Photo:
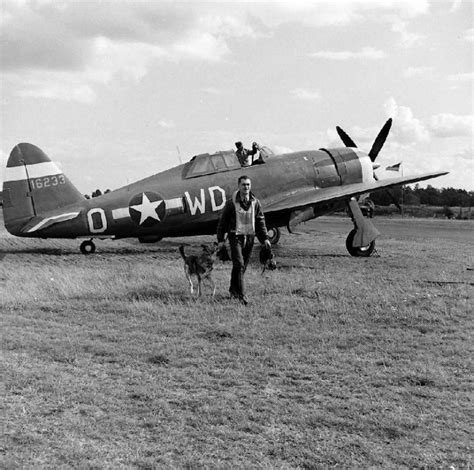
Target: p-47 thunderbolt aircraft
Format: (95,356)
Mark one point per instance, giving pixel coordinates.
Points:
(40,201)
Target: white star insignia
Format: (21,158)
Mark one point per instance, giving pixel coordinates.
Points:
(147,209)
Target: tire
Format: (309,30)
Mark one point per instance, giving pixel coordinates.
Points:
(362,251)
(87,247)
(274,235)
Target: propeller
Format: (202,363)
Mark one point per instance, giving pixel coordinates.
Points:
(374,151)
(348,142)
(378,142)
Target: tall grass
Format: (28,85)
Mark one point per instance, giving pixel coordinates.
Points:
(110,362)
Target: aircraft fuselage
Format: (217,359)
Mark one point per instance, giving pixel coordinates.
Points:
(175,203)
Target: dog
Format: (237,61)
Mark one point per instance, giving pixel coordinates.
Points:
(200,266)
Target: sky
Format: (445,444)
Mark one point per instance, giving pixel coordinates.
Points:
(117,90)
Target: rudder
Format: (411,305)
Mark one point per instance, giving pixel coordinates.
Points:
(33,185)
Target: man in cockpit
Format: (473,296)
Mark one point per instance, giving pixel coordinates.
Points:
(246,156)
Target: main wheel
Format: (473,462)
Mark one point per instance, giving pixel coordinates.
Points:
(364,251)
(274,235)
(87,247)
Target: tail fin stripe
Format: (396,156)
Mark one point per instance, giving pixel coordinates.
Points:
(37,170)
(50,221)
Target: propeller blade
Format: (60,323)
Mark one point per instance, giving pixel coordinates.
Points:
(348,142)
(380,140)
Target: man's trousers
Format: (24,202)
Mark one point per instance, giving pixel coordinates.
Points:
(240,250)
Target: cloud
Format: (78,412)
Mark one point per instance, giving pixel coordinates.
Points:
(407,39)
(127,61)
(336,13)
(166,124)
(466,154)
(417,71)
(406,128)
(461,77)
(59,91)
(64,50)
(450,125)
(212,91)
(455,5)
(108,61)
(306,94)
(88,44)
(201,45)
(469,35)
(365,53)
(57,85)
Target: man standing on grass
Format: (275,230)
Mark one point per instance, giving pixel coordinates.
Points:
(242,219)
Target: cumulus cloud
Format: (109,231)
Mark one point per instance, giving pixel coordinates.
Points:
(166,124)
(469,35)
(450,125)
(466,154)
(417,71)
(455,5)
(306,94)
(407,128)
(461,77)
(92,43)
(336,13)
(212,91)
(200,45)
(58,85)
(365,53)
(407,39)
(84,45)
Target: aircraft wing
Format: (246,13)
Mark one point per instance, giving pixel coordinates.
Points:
(305,197)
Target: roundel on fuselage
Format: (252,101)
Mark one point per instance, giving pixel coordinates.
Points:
(147,209)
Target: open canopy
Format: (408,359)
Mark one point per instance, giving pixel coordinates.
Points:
(225,160)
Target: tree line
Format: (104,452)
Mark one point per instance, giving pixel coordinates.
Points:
(429,196)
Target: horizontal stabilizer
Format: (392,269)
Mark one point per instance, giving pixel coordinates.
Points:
(40,223)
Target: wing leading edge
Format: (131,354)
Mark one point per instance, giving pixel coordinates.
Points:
(309,196)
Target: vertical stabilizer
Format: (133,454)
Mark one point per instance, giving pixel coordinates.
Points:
(33,185)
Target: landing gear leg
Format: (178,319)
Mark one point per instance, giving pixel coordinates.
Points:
(361,240)
(87,247)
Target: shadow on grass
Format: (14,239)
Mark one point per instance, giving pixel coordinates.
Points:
(150,294)
(158,359)
(218,334)
(38,251)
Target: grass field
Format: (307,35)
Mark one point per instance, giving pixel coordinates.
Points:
(338,362)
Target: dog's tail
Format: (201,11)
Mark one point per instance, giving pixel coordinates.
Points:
(181,250)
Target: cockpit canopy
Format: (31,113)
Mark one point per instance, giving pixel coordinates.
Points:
(225,160)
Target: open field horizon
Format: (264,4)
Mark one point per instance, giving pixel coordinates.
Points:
(338,361)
